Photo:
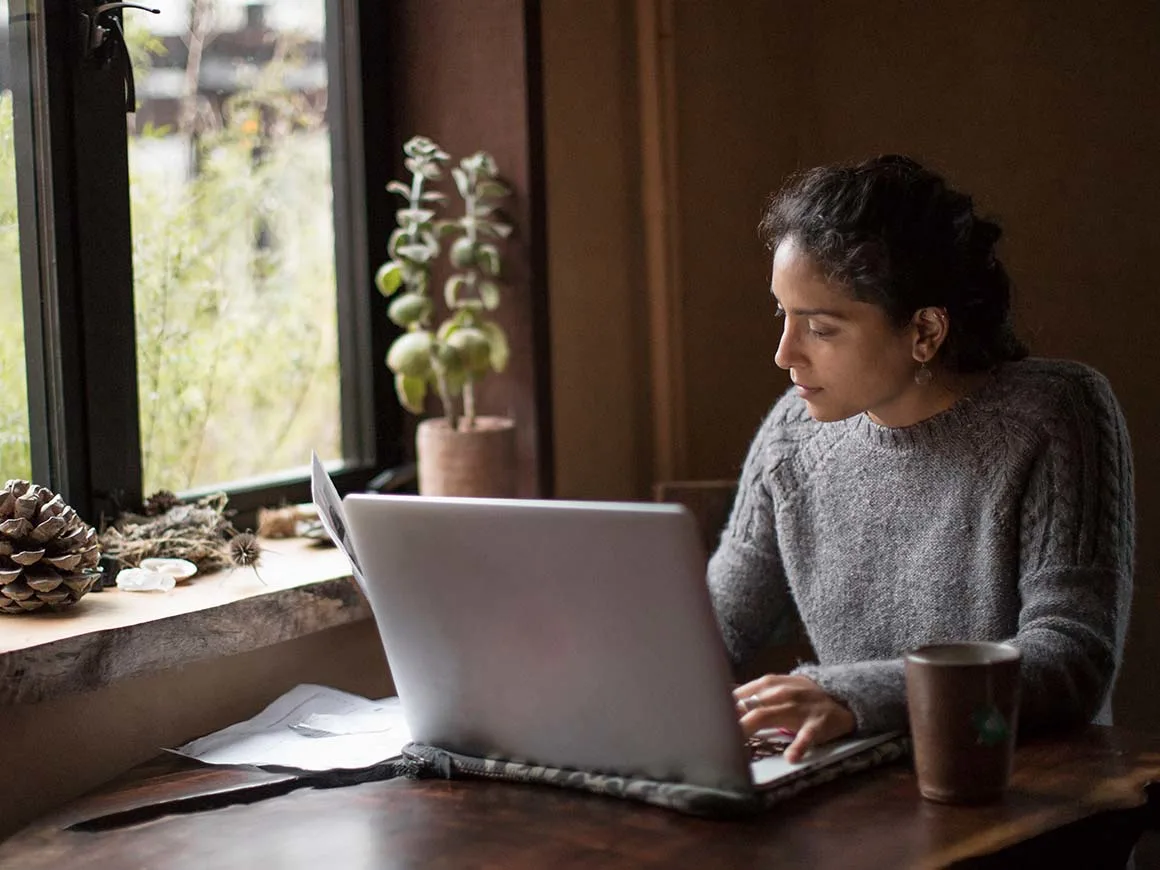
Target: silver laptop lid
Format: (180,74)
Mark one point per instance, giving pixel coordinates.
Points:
(572,634)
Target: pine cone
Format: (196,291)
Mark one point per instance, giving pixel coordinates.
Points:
(48,554)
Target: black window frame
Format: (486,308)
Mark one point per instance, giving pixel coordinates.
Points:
(76,261)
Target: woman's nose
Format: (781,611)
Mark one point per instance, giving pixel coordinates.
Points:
(786,348)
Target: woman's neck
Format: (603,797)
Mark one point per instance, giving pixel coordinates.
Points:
(924,401)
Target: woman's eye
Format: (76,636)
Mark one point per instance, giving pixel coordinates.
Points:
(820,331)
(779,312)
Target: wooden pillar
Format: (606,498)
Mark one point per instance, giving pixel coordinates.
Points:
(658,110)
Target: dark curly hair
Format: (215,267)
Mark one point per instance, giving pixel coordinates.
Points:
(898,236)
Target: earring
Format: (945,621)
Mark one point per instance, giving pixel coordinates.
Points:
(923,376)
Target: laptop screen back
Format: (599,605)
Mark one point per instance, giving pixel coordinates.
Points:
(572,634)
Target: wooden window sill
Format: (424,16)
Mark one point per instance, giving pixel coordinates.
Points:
(111,635)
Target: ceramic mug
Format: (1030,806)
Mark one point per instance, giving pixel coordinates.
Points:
(963,702)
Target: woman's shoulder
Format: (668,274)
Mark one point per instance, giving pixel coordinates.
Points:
(1062,401)
(789,410)
(1039,386)
(789,419)
(787,427)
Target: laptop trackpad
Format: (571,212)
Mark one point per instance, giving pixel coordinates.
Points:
(769,767)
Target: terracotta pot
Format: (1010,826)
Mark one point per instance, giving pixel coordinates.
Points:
(479,462)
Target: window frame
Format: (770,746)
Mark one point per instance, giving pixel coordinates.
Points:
(76,261)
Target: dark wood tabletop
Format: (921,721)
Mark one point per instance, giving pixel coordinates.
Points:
(1082,800)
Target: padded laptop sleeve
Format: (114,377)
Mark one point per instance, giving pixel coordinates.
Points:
(431,761)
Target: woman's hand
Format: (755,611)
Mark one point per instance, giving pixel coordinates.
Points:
(796,704)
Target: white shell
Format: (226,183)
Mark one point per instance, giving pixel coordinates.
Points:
(140,580)
(178,569)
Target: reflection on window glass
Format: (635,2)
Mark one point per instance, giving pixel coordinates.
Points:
(233,241)
(14,457)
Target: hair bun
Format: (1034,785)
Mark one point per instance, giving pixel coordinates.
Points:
(984,236)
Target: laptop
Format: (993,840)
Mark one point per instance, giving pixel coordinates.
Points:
(570,634)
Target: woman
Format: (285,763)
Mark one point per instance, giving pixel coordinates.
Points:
(922,481)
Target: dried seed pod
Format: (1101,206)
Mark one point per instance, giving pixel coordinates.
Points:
(244,550)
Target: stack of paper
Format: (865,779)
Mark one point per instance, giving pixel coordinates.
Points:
(309,728)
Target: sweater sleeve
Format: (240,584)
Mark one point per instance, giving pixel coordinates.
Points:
(1076,546)
(746,579)
(874,691)
(1075,541)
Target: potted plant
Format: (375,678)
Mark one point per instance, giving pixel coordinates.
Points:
(461,452)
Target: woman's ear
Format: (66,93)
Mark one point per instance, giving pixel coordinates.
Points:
(930,326)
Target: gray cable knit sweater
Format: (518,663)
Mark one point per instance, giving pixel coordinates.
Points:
(1007,517)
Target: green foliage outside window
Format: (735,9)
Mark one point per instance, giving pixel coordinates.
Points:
(233,270)
(14,456)
(234,284)
(236,318)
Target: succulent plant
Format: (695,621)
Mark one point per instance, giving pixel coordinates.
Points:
(466,345)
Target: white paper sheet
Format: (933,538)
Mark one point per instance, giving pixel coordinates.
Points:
(309,728)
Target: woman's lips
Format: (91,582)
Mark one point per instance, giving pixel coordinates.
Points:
(805,392)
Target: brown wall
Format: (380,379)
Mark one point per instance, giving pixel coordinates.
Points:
(599,336)
(1045,111)
(460,77)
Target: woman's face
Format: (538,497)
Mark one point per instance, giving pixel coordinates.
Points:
(845,356)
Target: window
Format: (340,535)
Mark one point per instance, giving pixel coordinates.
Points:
(233,242)
(15,460)
(198,270)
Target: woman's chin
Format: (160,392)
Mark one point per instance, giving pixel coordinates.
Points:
(825,413)
(820,414)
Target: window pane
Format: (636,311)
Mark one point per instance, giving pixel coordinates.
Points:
(233,241)
(14,455)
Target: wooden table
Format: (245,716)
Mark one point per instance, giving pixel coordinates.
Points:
(1079,801)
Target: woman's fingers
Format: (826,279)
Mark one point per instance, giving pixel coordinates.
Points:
(796,704)
(784,715)
(745,703)
(763,692)
(803,740)
(756,687)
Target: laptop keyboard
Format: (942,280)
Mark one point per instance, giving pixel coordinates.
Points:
(766,745)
